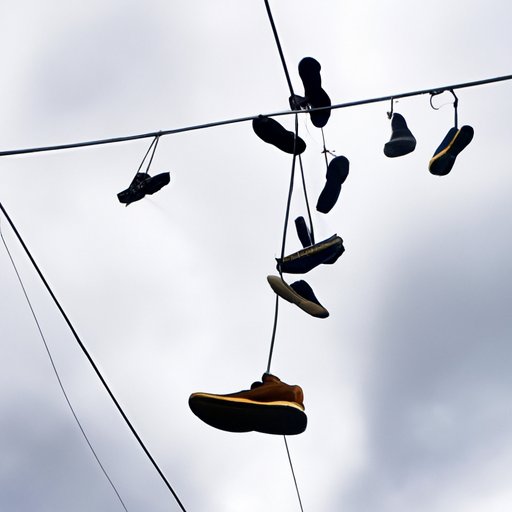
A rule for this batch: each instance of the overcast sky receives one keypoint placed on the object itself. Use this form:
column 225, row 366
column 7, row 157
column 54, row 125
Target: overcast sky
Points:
column 407, row 384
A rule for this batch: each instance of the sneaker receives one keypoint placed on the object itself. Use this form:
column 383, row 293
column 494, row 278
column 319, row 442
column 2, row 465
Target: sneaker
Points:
column 327, row 251
column 309, row 71
column 270, row 407
column 445, row 155
column 303, row 232
column 270, row 131
column 337, row 172
column 141, row 185
column 402, row 140
column 300, row 294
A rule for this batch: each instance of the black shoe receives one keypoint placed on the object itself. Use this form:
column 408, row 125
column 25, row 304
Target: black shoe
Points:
column 402, row 140
column 300, row 294
column 141, row 185
column 303, row 232
column 309, row 71
column 337, row 172
column 270, row 131
column 445, row 155
column 327, row 251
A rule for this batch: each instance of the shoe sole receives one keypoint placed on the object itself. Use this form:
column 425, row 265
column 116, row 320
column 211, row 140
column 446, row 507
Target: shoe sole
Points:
column 441, row 164
column 243, row 415
column 287, row 293
column 399, row 146
column 271, row 132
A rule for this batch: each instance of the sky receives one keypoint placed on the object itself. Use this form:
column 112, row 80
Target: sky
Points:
column 407, row 384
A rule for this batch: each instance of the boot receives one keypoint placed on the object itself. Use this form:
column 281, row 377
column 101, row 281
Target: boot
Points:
column 270, row 407
column 402, row 140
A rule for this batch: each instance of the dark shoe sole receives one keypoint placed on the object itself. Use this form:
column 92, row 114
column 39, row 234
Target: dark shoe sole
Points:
column 400, row 146
column 337, row 172
column 242, row 415
column 444, row 158
column 271, row 132
column 303, row 232
column 287, row 293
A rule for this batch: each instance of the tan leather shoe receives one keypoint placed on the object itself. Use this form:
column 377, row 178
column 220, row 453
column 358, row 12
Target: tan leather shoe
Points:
column 270, row 407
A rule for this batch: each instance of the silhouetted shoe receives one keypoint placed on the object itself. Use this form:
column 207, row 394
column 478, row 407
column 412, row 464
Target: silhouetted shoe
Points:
column 303, row 232
column 270, row 407
column 445, row 155
column 309, row 71
column 327, row 251
column 337, row 172
column 141, row 185
column 300, row 294
column 402, row 140
column 270, row 131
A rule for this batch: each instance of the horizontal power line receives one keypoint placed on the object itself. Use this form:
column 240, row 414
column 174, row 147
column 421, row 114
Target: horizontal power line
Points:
column 432, row 90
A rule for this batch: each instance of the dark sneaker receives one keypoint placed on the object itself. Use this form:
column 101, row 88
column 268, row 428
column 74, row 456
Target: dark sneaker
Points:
column 303, row 232
column 270, row 407
column 270, row 131
column 300, row 294
column 402, row 140
column 327, row 251
column 155, row 183
column 337, row 172
column 445, row 155
column 309, row 71
column 141, row 185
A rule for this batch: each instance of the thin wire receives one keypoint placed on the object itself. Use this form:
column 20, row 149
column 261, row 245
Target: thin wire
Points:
column 146, row 155
column 293, row 473
column 152, row 154
column 213, row 124
column 57, row 373
column 91, row 361
column 279, row 47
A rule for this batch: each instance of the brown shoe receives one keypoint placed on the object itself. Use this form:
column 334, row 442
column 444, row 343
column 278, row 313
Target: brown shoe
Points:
column 270, row 407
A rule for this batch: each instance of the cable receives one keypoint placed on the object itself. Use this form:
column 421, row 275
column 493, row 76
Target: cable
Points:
column 279, row 48
column 283, row 244
column 91, row 361
column 293, row 473
column 57, row 373
column 213, row 124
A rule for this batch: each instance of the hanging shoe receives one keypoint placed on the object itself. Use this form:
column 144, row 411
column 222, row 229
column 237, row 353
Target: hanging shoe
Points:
column 337, row 172
column 270, row 131
column 309, row 71
column 300, row 294
column 303, row 232
column 402, row 140
column 141, row 185
column 270, row 407
column 445, row 155
column 327, row 251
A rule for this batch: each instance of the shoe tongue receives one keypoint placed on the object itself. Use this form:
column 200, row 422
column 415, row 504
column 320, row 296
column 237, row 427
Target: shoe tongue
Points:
column 268, row 377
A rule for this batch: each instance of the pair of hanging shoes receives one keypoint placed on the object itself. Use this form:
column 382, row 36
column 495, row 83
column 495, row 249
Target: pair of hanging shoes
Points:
column 270, row 407
column 141, row 185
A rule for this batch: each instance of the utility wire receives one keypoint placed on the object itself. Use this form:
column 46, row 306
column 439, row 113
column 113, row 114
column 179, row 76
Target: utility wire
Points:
column 91, row 361
column 61, row 385
column 293, row 473
column 113, row 140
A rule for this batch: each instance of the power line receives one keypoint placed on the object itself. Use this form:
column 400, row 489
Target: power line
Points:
column 61, row 385
column 113, row 140
column 91, row 361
